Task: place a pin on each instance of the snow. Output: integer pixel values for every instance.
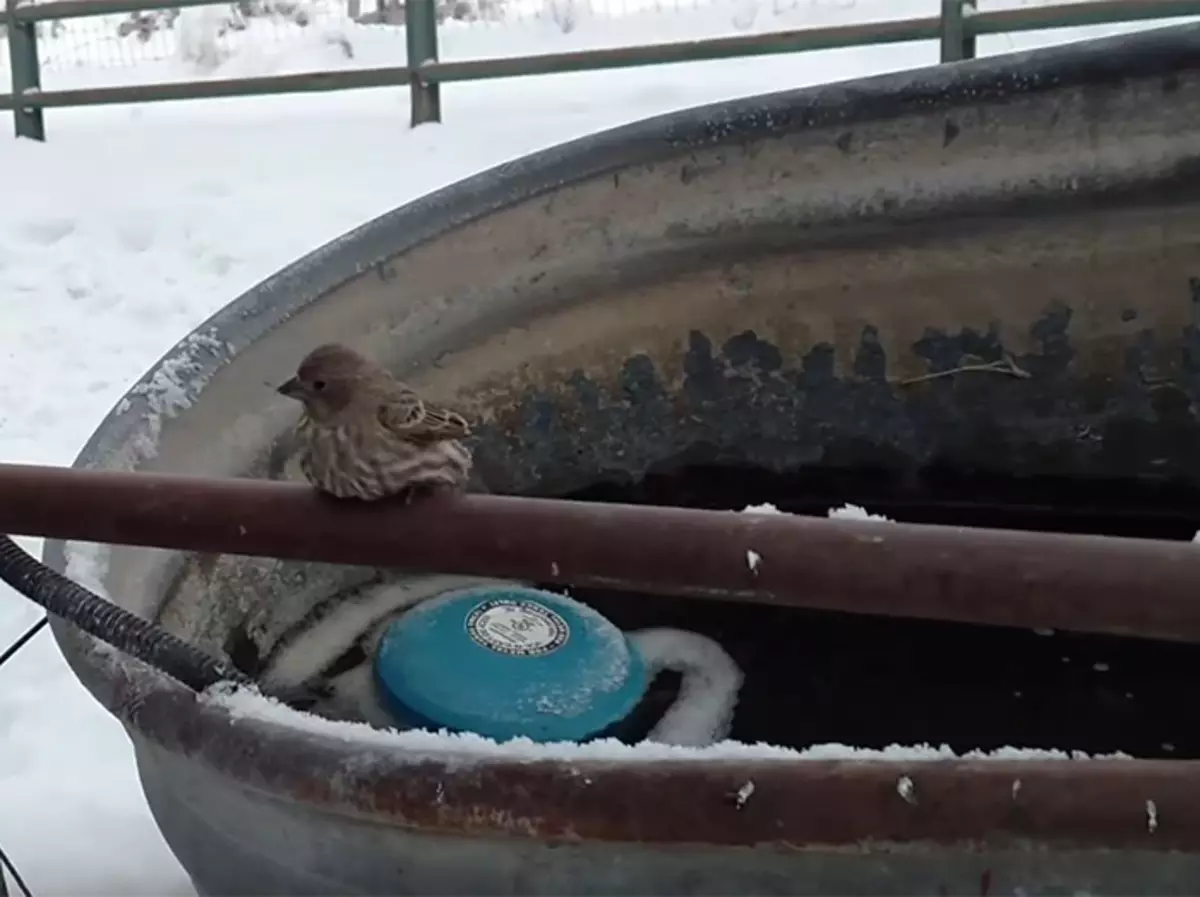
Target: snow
(753, 560)
(316, 646)
(134, 223)
(461, 748)
(708, 691)
(744, 794)
(767, 508)
(845, 512)
(855, 512)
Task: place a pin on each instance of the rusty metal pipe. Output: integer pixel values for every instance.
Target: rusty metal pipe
(1122, 586)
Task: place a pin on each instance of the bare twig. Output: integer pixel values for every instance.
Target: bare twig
(1006, 365)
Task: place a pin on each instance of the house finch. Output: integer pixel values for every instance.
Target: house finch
(366, 435)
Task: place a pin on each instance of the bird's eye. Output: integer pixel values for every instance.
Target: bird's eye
(318, 385)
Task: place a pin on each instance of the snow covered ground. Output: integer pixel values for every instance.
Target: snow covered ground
(102, 268)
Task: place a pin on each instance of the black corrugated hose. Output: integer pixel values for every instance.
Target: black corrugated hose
(115, 626)
(111, 624)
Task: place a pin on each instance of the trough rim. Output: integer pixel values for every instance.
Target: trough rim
(1101, 803)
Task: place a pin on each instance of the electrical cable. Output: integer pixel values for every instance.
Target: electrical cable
(21, 642)
(119, 628)
(112, 624)
(5, 862)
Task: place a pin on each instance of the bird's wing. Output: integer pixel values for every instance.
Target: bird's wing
(417, 421)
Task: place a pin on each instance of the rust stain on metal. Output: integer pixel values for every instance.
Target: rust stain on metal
(837, 804)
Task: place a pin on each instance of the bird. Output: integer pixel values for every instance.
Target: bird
(364, 434)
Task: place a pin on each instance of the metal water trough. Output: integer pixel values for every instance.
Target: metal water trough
(784, 281)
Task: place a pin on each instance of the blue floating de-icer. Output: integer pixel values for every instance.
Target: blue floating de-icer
(509, 661)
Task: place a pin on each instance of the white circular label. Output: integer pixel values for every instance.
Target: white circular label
(517, 628)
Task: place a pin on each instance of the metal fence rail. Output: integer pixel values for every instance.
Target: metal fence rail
(956, 28)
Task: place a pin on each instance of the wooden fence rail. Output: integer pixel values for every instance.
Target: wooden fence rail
(956, 28)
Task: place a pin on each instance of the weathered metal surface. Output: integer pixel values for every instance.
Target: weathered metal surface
(970, 575)
(1115, 803)
(768, 282)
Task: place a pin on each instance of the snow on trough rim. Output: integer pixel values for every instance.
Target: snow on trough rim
(169, 391)
(417, 745)
(845, 512)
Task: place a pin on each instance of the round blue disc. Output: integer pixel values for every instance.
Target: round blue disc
(509, 661)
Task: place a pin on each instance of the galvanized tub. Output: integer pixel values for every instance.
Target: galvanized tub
(769, 282)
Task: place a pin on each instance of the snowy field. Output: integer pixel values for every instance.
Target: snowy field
(188, 204)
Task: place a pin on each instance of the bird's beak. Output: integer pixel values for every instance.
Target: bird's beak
(291, 388)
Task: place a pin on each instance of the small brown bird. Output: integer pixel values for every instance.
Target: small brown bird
(366, 435)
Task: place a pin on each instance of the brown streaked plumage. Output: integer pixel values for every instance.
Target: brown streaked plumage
(366, 435)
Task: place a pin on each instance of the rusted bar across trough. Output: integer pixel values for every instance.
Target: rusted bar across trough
(1087, 583)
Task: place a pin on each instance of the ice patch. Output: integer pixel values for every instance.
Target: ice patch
(172, 388)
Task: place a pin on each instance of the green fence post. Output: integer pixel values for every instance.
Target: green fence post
(26, 74)
(420, 26)
(957, 41)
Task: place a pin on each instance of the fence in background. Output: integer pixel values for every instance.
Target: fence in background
(269, 26)
(956, 28)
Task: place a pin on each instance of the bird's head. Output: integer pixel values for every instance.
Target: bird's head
(330, 379)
